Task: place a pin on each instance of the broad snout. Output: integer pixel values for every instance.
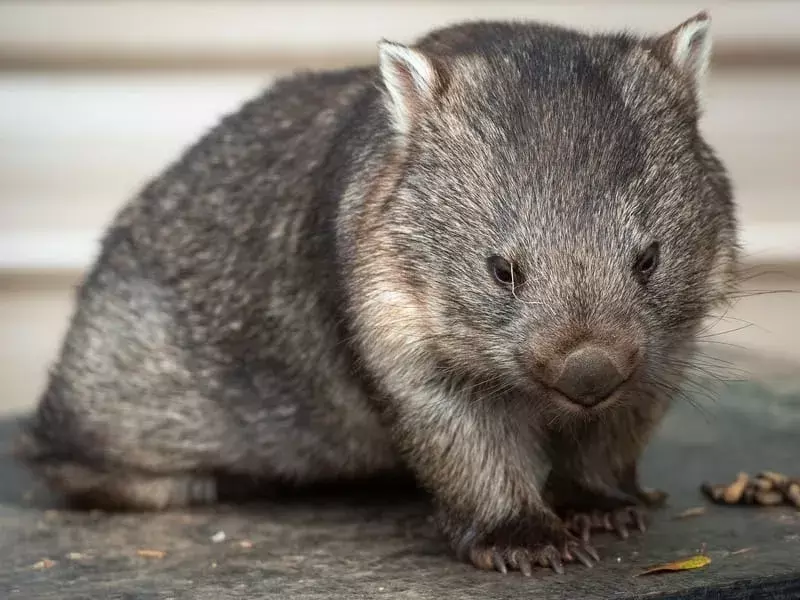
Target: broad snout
(589, 374)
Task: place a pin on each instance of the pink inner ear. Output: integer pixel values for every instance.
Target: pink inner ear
(406, 80)
(412, 95)
(695, 44)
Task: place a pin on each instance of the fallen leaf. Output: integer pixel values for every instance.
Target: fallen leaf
(45, 563)
(692, 512)
(685, 564)
(151, 553)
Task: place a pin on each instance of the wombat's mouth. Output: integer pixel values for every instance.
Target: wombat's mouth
(587, 403)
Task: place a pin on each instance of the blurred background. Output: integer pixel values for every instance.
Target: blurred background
(97, 97)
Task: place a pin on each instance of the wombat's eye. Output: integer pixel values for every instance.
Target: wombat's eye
(647, 262)
(501, 270)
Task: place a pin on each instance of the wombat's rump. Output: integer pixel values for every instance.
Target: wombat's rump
(483, 261)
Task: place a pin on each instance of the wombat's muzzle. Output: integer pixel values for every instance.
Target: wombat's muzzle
(589, 374)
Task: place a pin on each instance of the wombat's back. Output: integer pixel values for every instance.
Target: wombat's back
(207, 337)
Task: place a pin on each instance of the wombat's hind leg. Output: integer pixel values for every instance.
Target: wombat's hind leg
(117, 489)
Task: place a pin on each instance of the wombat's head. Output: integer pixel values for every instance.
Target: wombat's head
(558, 216)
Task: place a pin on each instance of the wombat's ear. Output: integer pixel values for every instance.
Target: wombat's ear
(411, 79)
(688, 48)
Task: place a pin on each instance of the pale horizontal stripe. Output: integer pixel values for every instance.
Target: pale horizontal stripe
(74, 148)
(42, 105)
(237, 28)
(763, 243)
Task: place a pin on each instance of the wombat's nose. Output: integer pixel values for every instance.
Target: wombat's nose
(589, 376)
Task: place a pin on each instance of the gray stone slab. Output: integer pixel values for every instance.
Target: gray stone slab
(371, 545)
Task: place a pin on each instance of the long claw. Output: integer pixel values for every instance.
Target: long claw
(555, 564)
(639, 519)
(525, 566)
(498, 562)
(583, 526)
(582, 558)
(589, 549)
(620, 527)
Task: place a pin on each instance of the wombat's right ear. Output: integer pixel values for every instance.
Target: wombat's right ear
(687, 48)
(412, 81)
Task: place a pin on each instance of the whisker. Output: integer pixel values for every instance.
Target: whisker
(747, 294)
(729, 331)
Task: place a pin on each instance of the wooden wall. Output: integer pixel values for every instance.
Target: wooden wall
(96, 97)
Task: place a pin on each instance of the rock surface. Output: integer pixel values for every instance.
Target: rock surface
(363, 546)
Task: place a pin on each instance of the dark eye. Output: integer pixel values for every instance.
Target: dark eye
(647, 262)
(501, 270)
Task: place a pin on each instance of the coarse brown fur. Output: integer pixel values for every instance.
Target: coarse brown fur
(304, 296)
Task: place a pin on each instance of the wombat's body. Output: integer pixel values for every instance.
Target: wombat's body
(488, 274)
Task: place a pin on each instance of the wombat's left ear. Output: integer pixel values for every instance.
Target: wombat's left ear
(688, 48)
(412, 80)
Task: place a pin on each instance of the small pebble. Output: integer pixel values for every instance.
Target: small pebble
(75, 556)
(768, 488)
(793, 494)
(763, 484)
(218, 537)
(151, 553)
(734, 491)
(45, 563)
(245, 544)
(777, 479)
(769, 498)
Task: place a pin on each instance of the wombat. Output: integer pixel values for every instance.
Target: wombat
(482, 262)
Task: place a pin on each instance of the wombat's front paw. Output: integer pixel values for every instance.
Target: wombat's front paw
(523, 546)
(583, 524)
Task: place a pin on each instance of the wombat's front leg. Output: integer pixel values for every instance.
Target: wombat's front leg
(595, 505)
(536, 538)
(485, 483)
(594, 484)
